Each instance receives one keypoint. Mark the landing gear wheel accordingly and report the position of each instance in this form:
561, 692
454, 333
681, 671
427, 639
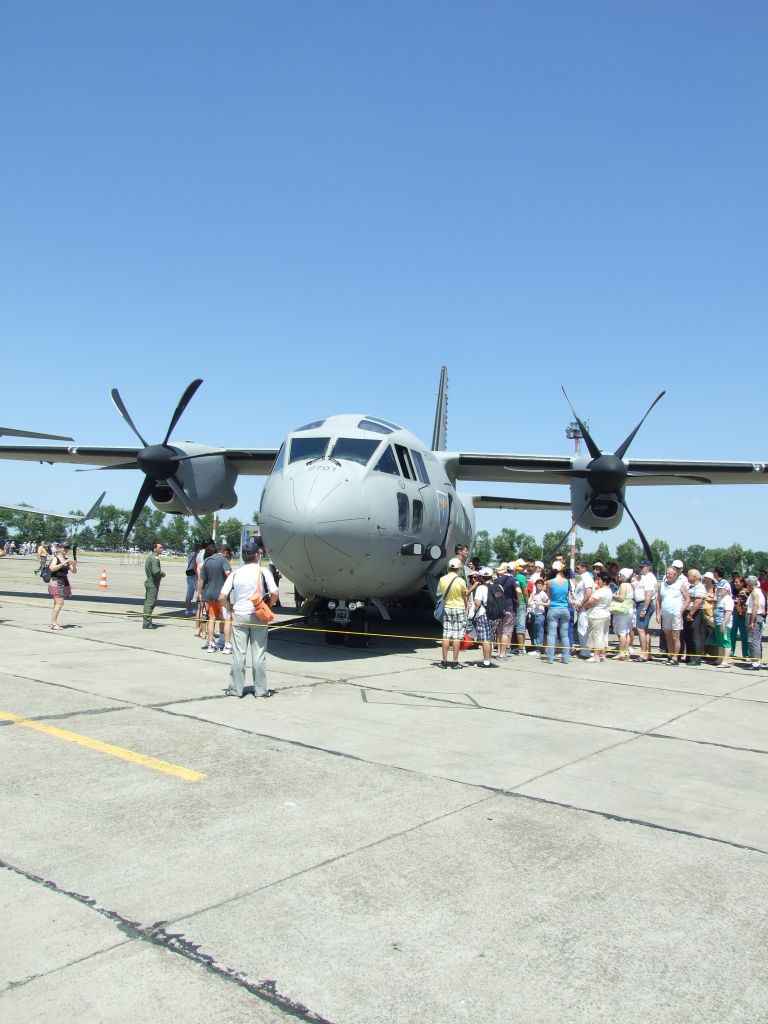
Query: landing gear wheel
334, 637
358, 636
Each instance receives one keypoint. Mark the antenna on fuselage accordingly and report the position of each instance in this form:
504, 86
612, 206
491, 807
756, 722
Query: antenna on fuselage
440, 431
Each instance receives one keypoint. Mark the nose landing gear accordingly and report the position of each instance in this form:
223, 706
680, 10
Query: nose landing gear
345, 619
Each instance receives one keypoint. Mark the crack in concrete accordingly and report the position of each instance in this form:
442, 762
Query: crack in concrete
174, 942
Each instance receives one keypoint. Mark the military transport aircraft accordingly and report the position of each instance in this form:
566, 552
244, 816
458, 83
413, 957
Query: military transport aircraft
357, 510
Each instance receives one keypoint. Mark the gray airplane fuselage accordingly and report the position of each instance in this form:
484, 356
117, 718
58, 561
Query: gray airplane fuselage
357, 508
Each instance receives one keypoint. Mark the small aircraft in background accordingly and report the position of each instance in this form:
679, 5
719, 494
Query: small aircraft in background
357, 510
13, 432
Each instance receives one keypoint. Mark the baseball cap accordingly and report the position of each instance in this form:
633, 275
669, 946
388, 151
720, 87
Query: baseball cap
485, 571
504, 567
626, 573
597, 565
519, 563
678, 564
455, 563
646, 562
708, 576
250, 550
557, 565
539, 565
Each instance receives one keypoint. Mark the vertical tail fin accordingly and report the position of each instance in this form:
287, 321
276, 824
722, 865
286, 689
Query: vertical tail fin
440, 431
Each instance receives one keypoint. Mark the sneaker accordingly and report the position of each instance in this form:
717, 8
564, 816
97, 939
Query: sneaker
455, 665
210, 647
227, 648
533, 654
188, 613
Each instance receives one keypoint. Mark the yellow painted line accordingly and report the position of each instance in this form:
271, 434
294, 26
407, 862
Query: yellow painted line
105, 748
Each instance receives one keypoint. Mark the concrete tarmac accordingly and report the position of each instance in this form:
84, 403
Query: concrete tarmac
380, 842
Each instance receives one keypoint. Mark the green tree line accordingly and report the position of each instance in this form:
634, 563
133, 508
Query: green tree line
105, 532
179, 533
510, 544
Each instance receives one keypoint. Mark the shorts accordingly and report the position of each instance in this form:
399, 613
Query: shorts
520, 619
671, 620
216, 610
507, 624
722, 636
643, 621
485, 628
454, 624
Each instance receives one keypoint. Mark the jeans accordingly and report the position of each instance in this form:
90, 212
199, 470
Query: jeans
538, 629
756, 641
557, 625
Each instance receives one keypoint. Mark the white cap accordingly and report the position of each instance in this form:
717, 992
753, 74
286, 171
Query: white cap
557, 566
539, 565
708, 576
678, 564
627, 573
485, 571
455, 563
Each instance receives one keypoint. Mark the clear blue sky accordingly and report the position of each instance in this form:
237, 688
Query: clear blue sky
313, 206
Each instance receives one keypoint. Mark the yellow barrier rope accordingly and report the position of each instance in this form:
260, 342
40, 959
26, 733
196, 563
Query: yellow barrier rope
658, 656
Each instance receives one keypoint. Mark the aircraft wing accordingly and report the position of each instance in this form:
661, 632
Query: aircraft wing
531, 504
550, 469
39, 512
83, 456
247, 461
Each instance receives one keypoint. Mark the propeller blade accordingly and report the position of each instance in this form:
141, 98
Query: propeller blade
592, 448
200, 455
94, 508
641, 535
183, 403
178, 491
575, 520
564, 474
101, 469
141, 501
120, 406
620, 451
670, 476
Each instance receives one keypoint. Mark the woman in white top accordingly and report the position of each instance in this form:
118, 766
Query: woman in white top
755, 621
598, 609
622, 621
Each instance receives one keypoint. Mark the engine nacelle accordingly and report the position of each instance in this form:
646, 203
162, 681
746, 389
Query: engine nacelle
604, 511
208, 481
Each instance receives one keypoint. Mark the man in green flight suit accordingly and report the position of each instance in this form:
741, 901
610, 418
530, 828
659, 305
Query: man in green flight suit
152, 582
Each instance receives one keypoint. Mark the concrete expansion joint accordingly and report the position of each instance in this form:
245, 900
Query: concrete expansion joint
174, 942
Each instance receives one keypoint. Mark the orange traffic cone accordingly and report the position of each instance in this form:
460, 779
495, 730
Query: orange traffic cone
103, 585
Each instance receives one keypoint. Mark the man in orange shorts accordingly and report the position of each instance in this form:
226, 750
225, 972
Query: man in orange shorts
214, 571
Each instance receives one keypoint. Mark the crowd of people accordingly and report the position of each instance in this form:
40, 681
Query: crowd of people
519, 608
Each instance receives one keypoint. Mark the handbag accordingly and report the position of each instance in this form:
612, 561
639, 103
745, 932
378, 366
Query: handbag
439, 611
467, 643
261, 608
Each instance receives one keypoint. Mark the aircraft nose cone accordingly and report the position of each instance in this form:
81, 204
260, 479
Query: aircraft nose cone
316, 524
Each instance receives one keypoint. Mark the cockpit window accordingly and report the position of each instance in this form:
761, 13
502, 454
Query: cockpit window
280, 459
310, 426
421, 469
306, 448
354, 449
387, 463
380, 428
384, 423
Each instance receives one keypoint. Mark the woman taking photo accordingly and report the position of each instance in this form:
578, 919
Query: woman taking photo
598, 609
59, 587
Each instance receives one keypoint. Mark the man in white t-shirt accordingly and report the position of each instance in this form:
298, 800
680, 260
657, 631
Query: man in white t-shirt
645, 603
584, 584
239, 587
